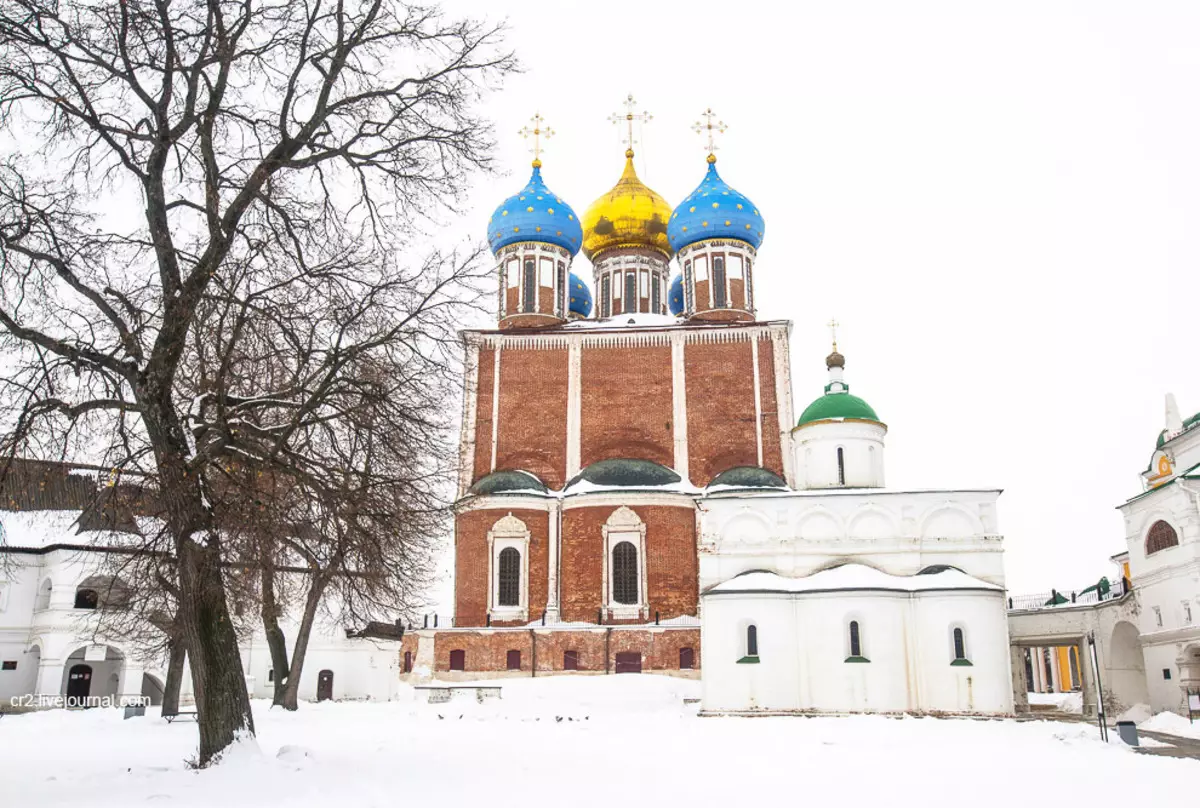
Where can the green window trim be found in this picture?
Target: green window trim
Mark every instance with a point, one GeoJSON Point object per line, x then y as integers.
{"type": "Point", "coordinates": [748, 660]}
{"type": "Point", "coordinates": [856, 659]}
{"type": "Point", "coordinates": [962, 663]}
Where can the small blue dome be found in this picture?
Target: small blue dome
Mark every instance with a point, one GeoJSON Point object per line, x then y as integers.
{"type": "Point", "coordinates": [580, 296]}
{"type": "Point", "coordinates": [675, 296]}
{"type": "Point", "coordinates": [535, 214]}
{"type": "Point", "coordinates": [714, 210]}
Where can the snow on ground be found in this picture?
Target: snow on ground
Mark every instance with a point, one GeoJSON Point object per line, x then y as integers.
{"type": "Point", "coordinates": [1172, 724]}
{"type": "Point", "coordinates": [1063, 702]}
{"type": "Point", "coordinates": [581, 741]}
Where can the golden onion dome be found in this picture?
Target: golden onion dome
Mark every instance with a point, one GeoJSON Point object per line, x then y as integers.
{"type": "Point", "coordinates": [630, 215]}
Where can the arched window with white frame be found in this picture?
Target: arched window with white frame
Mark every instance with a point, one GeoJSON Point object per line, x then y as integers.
{"type": "Point", "coordinates": [624, 571]}
{"type": "Point", "coordinates": [508, 569]}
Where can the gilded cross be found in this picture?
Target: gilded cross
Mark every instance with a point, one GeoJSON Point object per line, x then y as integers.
{"type": "Point", "coordinates": [629, 117]}
{"type": "Point", "coordinates": [833, 327]}
{"type": "Point", "coordinates": [708, 126]}
{"type": "Point", "coordinates": [537, 133]}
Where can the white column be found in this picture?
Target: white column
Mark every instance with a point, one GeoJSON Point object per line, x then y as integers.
{"type": "Point", "coordinates": [466, 447]}
{"type": "Point", "coordinates": [783, 402]}
{"type": "Point", "coordinates": [50, 678]}
{"type": "Point", "coordinates": [574, 404]}
{"type": "Point", "coordinates": [555, 516]}
{"type": "Point", "coordinates": [130, 684]}
{"type": "Point", "coordinates": [679, 405]}
{"type": "Point", "coordinates": [1039, 669]}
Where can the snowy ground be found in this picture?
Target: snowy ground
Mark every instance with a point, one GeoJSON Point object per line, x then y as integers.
{"type": "Point", "coordinates": [621, 740]}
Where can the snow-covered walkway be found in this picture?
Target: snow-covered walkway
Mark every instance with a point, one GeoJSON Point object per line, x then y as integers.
{"type": "Point", "coordinates": [578, 741]}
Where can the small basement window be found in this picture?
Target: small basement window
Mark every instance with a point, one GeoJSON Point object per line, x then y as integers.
{"type": "Point", "coordinates": [9, 665]}
{"type": "Point", "coordinates": [1166, 672]}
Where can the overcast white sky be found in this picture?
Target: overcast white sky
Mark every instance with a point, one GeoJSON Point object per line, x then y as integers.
{"type": "Point", "coordinates": [999, 202]}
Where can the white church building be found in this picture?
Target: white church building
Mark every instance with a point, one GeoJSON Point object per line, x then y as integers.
{"type": "Point", "coordinates": [52, 647]}
{"type": "Point", "coordinates": [836, 594]}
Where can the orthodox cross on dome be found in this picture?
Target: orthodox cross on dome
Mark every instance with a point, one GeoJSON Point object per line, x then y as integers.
{"type": "Point", "coordinates": [537, 133]}
{"type": "Point", "coordinates": [833, 327]}
{"type": "Point", "coordinates": [629, 117]}
{"type": "Point", "coordinates": [708, 126]}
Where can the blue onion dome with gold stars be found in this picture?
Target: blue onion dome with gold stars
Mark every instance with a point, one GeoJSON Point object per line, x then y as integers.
{"type": "Point", "coordinates": [535, 214]}
{"type": "Point", "coordinates": [675, 296]}
{"type": "Point", "coordinates": [714, 210]}
{"type": "Point", "coordinates": [579, 296]}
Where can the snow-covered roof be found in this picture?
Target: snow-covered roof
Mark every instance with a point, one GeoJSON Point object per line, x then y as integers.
{"type": "Point", "coordinates": [851, 577]}
{"type": "Point", "coordinates": [40, 529]}
{"type": "Point", "coordinates": [625, 321]}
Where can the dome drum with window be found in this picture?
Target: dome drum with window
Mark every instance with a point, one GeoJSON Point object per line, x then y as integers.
{"type": "Point", "coordinates": [839, 440]}
{"type": "Point", "coordinates": [716, 232]}
{"type": "Point", "coordinates": [534, 235]}
{"type": "Point", "coordinates": [625, 237]}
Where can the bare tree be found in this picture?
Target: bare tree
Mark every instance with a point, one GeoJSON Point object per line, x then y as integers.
{"type": "Point", "coordinates": [156, 150]}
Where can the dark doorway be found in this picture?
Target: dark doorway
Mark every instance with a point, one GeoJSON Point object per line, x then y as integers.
{"type": "Point", "coordinates": [629, 662]}
{"type": "Point", "coordinates": [687, 659]}
{"type": "Point", "coordinates": [513, 660]}
{"type": "Point", "coordinates": [79, 684]}
{"type": "Point", "coordinates": [458, 660]}
{"type": "Point", "coordinates": [325, 685]}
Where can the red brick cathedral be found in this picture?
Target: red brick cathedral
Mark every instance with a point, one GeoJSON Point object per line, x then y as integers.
{"type": "Point", "coordinates": [593, 429]}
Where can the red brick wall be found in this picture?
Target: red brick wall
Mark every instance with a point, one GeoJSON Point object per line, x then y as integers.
{"type": "Point", "coordinates": [672, 567]}
{"type": "Point", "coordinates": [626, 404]}
{"type": "Point", "coordinates": [772, 452]}
{"type": "Point", "coordinates": [471, 562]}
{"type": "Point", "coordinates": [533, 413]}
{"type": "Point", "coordinates": [720, 399]}
{"type": "Point", "coordinates": [488, 651]}
{"type": "Point", "coordinates": [483, 413]}
{"type": "Point", "coordinates": [737, 293]}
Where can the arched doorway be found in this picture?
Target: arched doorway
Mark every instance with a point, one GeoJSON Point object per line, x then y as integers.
{"type": "Point", "coordinates": [325, 685]}
{"type": "Point", "coordinates": [152, 689]}
{"type": "Point", "coordinates": [103, 664]}
{"type": "Point", "coordinates": [1127, 667]}
{"type": "Point", "coordinates": [79, 685]}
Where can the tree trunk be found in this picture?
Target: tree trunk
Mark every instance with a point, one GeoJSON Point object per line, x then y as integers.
{"type": "Point", "coordinates": [222, 703]}
{"type": "Point", "coordinates": [175, 662]}
{"type": "Point", "coordinates": [291, 697]}
{"type": "Point", "coordinates": [276, 641]}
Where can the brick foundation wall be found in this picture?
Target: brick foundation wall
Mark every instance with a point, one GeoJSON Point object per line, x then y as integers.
{"type": "Point", "coordinates": [672, 566]}
{"type": "Point", "coordinates": [471, 562]}
{"type": "Point", "coordinates": [487, 651]}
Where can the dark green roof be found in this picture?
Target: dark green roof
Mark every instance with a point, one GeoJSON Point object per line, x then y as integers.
{"type": "Point", "coordinates": [626, 472]}
{"type": "Point", "coordinates": [837, 405]}
{"type": "Point", "coordinates": [499, 482]}
{"type": "Point", "coordinates": [749, 477]}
